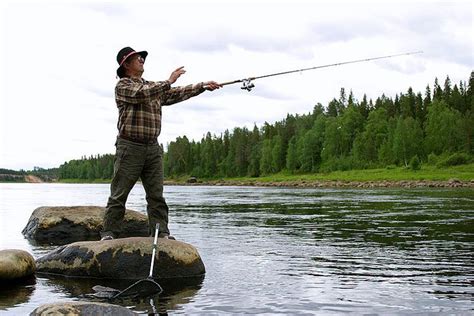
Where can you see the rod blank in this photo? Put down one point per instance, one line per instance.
(318, 67)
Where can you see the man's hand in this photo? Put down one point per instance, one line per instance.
(176, 74)
(211, 85)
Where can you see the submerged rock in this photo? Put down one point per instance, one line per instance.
(81, 308)
(16, 264)
(125, 258)
(63, 224)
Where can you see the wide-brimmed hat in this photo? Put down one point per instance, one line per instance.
(122, 56)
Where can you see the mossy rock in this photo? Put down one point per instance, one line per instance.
(60, 225)
(124, 258)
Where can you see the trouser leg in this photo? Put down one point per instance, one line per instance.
(128, 165)
(152, 179)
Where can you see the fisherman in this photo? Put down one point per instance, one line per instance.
(138, 154)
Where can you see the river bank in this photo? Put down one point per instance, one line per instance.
(429, 176)
(452, 183)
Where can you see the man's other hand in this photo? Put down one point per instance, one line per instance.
(176, 74)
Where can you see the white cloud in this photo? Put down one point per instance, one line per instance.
(58, 63)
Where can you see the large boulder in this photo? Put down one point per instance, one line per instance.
(64, 224)
(15, 264)
(125, 258)
(81, 308)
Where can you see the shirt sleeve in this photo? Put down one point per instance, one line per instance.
(178, 94)
(133, 92)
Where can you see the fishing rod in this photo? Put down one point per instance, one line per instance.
(248, 85)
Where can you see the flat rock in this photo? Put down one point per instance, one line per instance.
(64, 224)
(81, 308)
(124, 258)
(16, 264)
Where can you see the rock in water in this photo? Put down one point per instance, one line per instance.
(125, 258)
(16, 264)
(81, 308)
(60, 225)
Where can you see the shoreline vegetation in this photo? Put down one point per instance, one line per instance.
(461, 176)
(452, 177)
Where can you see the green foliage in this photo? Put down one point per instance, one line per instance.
(291, 156)
(368, 143)
(415, 163)
(266, 158)
(278, 154)
(433, 159)
(408, 137)
(338, 163)
(443, 129)
(88, 169)
(12, 172)
(454, 160)
(347, 134)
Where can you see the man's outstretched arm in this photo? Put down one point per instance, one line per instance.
(178, 94)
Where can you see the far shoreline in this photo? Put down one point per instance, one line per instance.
(452, 183)
(461, 176)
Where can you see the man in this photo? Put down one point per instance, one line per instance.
(138, 154)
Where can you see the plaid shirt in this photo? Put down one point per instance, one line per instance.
(139, 103)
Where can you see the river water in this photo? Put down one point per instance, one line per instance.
(282, 250)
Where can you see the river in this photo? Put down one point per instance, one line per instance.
(282, 250)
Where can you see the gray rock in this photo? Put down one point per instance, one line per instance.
(191, 180)
(125, 258)
(60, 225)
(81, 308)
(16, 264)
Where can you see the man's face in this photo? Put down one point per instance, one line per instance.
(135, 64)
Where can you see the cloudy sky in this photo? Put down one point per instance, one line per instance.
(57, 63)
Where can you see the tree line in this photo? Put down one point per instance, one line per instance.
(410, 129)
(46, 175)
(91, 168)
(347, 134)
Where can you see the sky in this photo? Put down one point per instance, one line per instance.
(58, 63)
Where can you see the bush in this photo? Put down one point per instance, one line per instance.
(338, 164)
(433, 159)
(415, 163)
(454, 160)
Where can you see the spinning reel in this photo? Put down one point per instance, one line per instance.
(247, 84)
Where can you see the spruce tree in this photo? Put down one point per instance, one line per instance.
(292, 156)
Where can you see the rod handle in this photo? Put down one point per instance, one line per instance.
(155, 246)
(230, 82)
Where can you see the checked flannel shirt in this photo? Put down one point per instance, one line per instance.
(139, 103)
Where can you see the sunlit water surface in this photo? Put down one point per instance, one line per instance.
(282, 250)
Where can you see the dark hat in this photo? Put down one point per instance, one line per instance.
(122, 56)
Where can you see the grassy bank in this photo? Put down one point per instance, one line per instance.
(426, 173)
(429, 173)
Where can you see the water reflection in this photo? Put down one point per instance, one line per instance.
(176, 292)
(16, 293)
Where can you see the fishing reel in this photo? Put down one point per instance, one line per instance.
(247, 84)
